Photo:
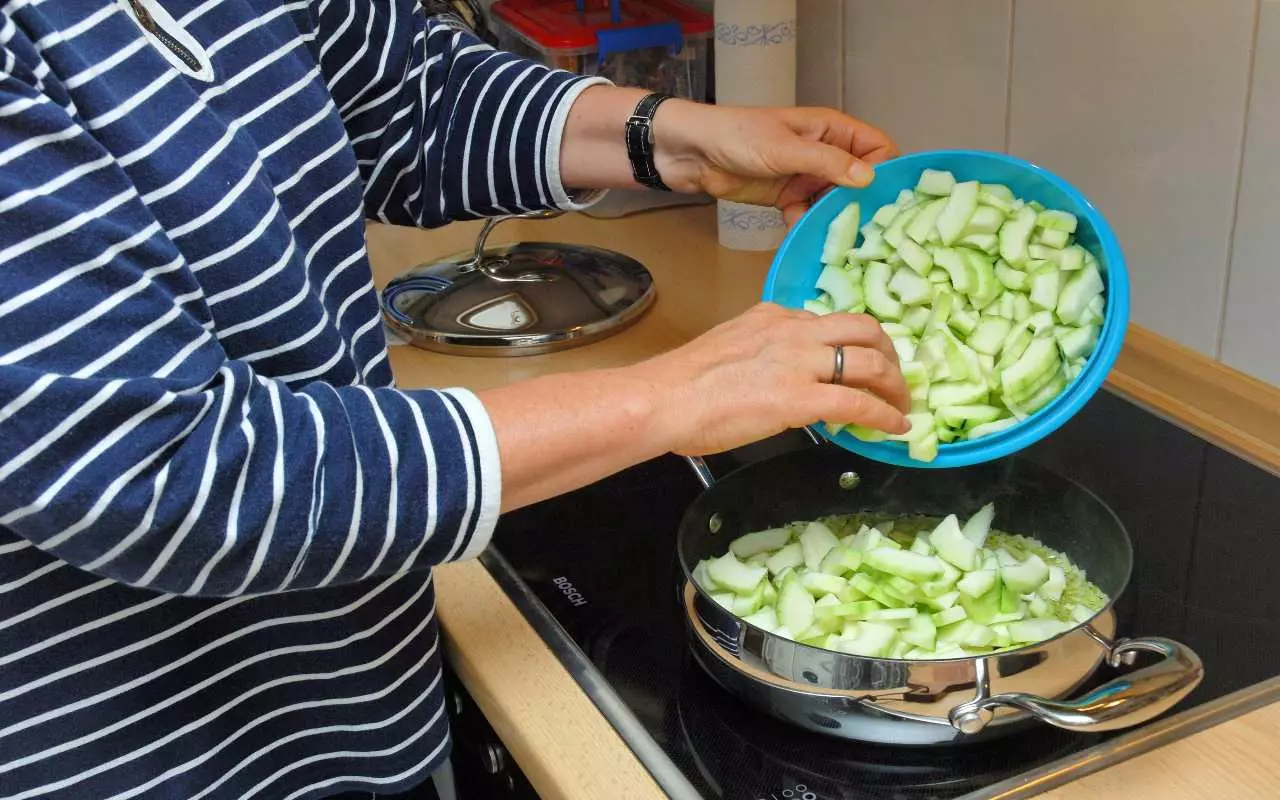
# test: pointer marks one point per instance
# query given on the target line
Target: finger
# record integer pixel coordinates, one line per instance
(857, 330)
(803, 189)
(859, 138)
(864, 368)
(824, 161)
(855, 407)
(870, 369)
(778, 311)
(791, 214)
(872, 144)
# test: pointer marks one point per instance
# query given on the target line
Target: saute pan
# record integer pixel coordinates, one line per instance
(918, 702)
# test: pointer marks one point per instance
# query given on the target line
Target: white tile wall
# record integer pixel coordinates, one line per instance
(933, 73)
(819, 53)
(1141, 104)
(1251, 337)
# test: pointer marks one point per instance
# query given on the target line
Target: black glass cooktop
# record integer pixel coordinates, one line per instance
(596, 573)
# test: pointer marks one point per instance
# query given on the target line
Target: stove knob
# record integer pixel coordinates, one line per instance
(493, 758)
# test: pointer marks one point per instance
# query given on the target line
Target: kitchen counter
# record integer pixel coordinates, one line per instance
(556, 734)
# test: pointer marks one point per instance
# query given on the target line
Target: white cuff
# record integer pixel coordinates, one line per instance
(555, 136)
(489, 469)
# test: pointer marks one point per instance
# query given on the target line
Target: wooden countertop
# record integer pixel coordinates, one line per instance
(552, 729)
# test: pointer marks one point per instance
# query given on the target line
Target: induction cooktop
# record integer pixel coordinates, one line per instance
(595, 572)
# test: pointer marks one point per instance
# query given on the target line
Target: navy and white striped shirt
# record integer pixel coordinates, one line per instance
(217, 515)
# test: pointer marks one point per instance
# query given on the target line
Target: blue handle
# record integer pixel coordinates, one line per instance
(662, 34)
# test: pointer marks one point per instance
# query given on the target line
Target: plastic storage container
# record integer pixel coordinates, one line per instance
(661, 45)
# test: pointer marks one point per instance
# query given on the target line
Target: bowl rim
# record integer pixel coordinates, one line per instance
(1077, 393)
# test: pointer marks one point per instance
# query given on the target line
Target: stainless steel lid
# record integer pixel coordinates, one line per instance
(519, 299)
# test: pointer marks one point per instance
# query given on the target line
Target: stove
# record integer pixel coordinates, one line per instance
(595, 572)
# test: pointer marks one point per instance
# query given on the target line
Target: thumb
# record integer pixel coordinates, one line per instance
(821, 160)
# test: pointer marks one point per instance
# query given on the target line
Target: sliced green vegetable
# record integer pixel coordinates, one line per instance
(912, 289)
(949, 617)
(727, 571)
(977, 583)
(1026, 576)
(989, 335)
(795, 605)
(815, 542)
(873, 640)
(1046, 283)
(925, 223)
(818, 583)
(978, 526)
(959, 209)
(997, 196)
(935, 182)
(766, 618)
(1015, 236)
(904, 563)
(841, 234)
(952, 545)
(754, 543)
(789, 557)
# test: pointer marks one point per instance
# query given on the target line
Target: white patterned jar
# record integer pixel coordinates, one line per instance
(755, 65)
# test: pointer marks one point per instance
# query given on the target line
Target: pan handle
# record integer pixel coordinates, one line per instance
(708, 479)
(700, 468)
(1120, 703)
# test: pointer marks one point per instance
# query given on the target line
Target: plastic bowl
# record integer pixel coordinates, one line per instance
(797, 264)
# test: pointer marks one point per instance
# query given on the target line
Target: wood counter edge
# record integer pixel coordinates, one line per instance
(569, 750)
(559, 739)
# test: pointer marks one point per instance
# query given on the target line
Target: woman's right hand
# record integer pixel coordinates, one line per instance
(750, 378)
(769, 370)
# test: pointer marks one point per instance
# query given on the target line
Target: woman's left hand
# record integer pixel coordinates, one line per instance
(781, 157)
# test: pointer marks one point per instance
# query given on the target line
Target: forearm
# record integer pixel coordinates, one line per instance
(561, 432)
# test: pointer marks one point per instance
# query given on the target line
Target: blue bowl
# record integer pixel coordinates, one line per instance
(797, 264)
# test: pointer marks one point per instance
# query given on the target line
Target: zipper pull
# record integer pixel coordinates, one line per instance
(177, 48)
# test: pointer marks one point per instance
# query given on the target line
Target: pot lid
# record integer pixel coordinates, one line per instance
(520, 299)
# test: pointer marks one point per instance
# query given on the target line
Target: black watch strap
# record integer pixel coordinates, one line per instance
(639, 134)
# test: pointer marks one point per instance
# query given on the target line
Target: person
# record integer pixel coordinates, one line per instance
(218, 515)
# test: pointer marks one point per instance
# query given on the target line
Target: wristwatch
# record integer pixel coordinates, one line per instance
(639, 136)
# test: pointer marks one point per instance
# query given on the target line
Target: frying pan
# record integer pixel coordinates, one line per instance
(926, 702)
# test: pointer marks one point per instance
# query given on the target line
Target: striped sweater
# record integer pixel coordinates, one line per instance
(217, 514)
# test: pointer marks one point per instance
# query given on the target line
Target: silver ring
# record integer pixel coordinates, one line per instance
(837, 373)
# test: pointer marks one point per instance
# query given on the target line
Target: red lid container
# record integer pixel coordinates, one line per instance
(558, 25)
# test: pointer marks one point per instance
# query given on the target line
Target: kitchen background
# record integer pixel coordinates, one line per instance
(1166, 113)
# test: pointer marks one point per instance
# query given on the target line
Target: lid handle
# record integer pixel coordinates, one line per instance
(489, 267)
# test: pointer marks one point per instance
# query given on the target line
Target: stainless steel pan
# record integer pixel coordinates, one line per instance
(939, 702)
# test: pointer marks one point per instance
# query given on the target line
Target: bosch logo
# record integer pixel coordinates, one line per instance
(570, 592)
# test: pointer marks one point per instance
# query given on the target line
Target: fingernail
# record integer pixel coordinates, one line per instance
(861, 173)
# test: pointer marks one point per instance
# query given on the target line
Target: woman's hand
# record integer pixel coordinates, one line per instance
(781, 157)
(769, 370)
(757, 375)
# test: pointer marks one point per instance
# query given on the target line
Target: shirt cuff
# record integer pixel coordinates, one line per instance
(489, 470)
(559, 195)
